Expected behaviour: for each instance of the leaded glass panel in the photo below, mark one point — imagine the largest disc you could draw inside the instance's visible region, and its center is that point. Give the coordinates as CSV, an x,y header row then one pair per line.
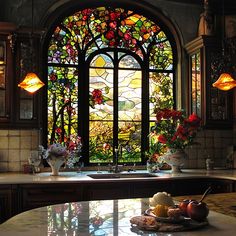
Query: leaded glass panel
x,y
160,92
129,95
120,56
62,103
161,56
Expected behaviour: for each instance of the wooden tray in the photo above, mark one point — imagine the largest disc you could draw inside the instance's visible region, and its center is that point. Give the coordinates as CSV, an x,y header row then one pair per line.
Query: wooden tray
x,y
150,223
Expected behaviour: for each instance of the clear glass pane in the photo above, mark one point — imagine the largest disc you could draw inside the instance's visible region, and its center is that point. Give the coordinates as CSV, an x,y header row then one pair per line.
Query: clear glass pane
x,y
26,109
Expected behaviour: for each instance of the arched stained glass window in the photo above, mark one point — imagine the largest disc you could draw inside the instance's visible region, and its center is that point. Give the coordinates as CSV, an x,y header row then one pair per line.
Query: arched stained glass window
x,y
108,69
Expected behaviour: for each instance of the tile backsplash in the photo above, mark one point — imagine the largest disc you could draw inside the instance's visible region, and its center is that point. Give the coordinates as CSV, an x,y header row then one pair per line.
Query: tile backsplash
x,y
15,147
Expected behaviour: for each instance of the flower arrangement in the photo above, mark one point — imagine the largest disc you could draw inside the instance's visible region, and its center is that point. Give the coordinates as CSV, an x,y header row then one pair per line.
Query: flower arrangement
x,y
75,149
56,150
173,130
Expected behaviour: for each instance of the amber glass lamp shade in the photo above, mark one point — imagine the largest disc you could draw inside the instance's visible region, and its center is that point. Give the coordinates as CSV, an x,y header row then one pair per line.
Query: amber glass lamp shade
x,y
225,82
31,83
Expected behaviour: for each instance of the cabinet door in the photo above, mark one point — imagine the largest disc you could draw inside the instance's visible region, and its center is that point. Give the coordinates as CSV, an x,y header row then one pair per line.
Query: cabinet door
x,y
211,104
47,194
5,78
27,52
5,203
19,54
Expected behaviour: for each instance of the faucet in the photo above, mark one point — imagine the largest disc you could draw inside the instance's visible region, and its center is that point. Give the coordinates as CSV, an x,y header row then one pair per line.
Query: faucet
x,y
116,168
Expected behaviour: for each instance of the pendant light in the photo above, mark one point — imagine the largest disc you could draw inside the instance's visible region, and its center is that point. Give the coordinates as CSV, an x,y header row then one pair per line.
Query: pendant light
x,y
31,82
225,81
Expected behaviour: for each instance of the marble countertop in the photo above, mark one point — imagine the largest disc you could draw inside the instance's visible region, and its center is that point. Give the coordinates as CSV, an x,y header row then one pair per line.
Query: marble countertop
x,y
104,217
73,177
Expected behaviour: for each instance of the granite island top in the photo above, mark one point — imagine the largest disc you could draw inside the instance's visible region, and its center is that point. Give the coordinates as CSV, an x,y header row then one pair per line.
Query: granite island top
x,y
104,218
73,177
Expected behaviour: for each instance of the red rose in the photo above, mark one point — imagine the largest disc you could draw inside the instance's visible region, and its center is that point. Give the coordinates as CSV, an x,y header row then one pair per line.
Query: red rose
x,y
162,139
193,118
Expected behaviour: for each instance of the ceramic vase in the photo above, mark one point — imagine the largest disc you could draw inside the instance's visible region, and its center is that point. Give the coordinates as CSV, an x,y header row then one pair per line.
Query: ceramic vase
x,y
175,159
55,162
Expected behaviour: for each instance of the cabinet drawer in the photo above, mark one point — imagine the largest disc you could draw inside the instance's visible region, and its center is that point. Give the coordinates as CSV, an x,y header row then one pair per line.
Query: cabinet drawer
x,y
43,195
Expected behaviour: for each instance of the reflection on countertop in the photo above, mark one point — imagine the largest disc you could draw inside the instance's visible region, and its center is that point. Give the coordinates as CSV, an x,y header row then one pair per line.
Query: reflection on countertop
x,y
104,218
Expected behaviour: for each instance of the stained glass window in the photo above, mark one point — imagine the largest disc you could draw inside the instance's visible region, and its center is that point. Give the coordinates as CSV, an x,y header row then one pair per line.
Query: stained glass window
x,y
108,69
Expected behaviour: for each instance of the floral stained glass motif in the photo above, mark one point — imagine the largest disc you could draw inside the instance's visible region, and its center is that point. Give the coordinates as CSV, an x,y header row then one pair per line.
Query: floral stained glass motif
x,y
124,56
62,103
160,92
128,84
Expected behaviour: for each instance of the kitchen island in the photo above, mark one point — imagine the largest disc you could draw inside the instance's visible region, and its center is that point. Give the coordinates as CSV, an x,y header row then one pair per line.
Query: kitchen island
x,y
103,217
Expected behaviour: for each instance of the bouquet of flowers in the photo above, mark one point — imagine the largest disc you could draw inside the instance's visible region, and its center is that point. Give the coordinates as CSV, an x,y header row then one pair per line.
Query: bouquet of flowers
x,y
173,130
56,150
75,148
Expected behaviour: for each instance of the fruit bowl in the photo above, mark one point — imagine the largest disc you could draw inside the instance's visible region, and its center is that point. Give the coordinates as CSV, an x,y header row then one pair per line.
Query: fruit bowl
x,y
181,219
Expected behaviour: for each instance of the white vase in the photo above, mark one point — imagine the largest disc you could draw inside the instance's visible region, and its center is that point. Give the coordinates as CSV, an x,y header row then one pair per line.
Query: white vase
x,y
175,159
152,167
55,163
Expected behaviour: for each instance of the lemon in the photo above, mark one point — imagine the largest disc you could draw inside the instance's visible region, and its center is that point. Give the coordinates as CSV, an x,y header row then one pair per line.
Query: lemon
x,y
160,210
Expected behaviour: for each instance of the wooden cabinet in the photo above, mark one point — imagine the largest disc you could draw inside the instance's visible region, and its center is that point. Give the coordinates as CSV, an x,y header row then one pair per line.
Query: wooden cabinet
x,y
211,104
111,190
38,195
6,70
8,202
19,51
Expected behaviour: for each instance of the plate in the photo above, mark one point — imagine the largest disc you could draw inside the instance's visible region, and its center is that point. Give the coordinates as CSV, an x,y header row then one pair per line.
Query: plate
x,y
181,219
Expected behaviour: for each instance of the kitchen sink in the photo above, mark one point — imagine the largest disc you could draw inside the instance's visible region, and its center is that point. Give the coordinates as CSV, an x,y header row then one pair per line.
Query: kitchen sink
x,y
121,175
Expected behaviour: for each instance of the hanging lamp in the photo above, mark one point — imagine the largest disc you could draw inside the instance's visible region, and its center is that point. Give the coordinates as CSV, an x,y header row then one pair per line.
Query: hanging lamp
x,y
225,82
31,82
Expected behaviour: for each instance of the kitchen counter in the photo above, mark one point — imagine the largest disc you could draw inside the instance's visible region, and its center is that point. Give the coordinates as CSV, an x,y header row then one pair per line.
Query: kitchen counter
x,y
21,192
104,217
224,203
72,177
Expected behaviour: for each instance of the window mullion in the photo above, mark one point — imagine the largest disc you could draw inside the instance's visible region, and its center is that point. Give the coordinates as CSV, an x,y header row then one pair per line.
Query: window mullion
x,y
115,98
